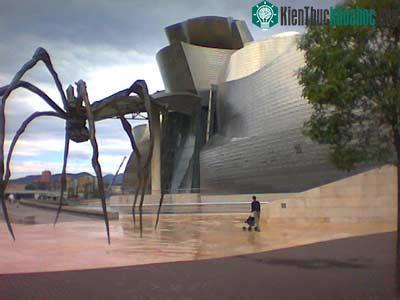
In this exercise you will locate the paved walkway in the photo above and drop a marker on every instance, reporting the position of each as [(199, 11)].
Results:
[(353, 268), (82, 244), (43, 215)]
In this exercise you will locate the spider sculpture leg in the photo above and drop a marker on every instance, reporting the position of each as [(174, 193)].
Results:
[(111, 184), (159, 206), (35, 90), (19, 132), (140, 88), (137, 190), (128, 129), (63, 177), (4, 93), (82, 93), (144, 188), (159, 209), (5, 211), (39, 55)]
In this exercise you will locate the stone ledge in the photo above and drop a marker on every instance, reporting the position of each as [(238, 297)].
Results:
[(112, 215)]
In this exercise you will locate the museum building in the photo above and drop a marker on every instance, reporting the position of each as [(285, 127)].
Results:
[(245, 134)]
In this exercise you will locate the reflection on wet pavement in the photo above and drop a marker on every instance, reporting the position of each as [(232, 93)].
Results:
[(19, 213), (82, 244)]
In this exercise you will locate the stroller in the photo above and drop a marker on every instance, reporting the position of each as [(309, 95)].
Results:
[(251, 221)]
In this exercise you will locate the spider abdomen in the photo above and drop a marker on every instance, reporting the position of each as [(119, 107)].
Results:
[(77, 131)]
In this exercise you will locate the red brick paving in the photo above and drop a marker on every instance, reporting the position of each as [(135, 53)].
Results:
[(354, 268)]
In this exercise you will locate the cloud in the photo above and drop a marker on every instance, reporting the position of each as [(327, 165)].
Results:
[(32, 159), (83, 62), (36, 153), (109, 44)]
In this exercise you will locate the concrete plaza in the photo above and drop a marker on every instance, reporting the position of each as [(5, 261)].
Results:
[(78, 243), (354, 268)]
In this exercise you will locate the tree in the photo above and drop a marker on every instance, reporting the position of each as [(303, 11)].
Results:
[(351, 77)]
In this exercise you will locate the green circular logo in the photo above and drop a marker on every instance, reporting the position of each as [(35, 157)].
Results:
[(264, 15)]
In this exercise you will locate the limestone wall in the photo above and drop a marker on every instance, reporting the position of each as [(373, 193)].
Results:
[(367, 197)]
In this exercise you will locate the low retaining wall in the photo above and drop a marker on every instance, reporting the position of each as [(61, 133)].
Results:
[(188, 203), (96, 211), (367, 197)]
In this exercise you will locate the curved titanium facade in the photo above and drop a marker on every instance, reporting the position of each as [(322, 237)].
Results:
[(196, 59), (246, 136), (259, 146), (142, 138), (192, 68), (258, 54), (211, 32)]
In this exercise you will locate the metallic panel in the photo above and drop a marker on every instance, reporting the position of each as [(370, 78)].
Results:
[(258, 54), (207, 65), (210, 31), (259, 147), (191, 68), (174, 69), (257, 114), (142, 138)]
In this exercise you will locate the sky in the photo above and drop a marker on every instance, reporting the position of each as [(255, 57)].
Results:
[(108, 44)]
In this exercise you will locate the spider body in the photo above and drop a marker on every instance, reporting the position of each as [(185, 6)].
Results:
[(76, 118)]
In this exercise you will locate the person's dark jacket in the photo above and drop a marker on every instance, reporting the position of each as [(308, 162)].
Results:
[(255, 206)]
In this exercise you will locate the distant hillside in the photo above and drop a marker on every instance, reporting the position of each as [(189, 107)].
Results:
[(77, 175), (25, 180), (56, 177), (109, 177)]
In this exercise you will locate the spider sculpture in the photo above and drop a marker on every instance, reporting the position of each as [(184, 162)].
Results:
[(77, 112)]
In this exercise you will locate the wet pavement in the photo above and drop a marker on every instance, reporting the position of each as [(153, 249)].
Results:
[(42, 215), (78, 242), (354, 268)]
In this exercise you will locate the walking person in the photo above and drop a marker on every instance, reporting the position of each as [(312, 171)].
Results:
[(256, 209)]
